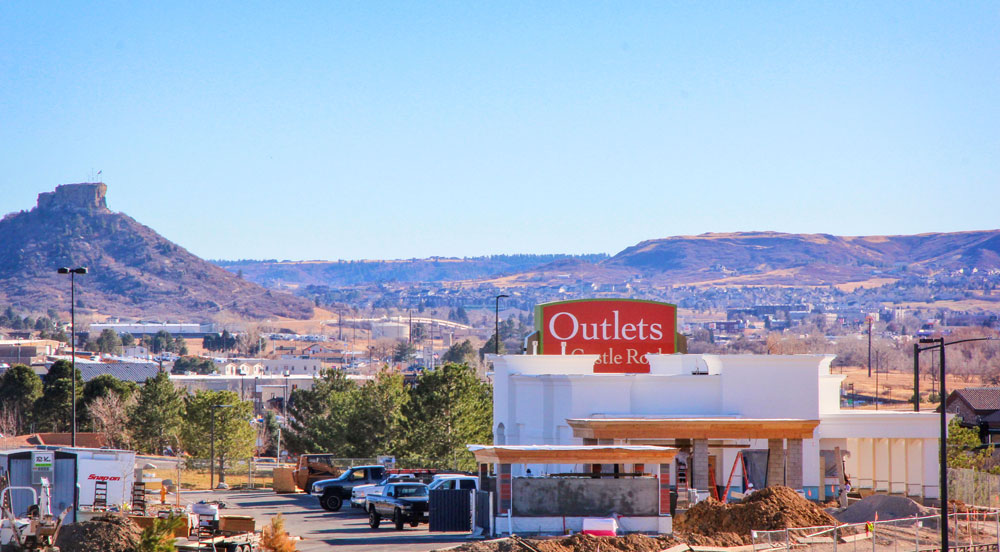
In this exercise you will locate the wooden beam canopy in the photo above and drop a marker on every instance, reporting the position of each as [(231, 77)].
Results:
[(573, 454), (692, 428)]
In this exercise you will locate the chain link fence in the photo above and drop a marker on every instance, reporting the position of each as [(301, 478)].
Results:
[(974, 488), (968, 532)]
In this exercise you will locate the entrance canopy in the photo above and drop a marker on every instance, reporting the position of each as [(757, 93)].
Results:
[(573, 454), (692, 428)]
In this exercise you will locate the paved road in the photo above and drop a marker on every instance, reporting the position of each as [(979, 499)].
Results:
[(345, 530)]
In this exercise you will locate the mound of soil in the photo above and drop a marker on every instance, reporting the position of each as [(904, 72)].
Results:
[(884, 506), (575, 543), (767, 509), (586, 543), (108, 533)]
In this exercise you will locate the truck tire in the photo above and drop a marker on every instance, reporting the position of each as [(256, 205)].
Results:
[(373, 518), (397, 519), (330, 501)]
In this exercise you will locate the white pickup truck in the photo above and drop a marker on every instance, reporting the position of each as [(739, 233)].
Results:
[(359, 494)]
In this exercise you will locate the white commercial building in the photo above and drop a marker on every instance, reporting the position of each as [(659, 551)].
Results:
[(782, 411), (151, 328)]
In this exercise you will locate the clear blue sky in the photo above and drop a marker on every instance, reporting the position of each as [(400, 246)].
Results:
[(392, 130)]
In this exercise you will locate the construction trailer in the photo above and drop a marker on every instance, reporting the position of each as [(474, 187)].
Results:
[(74, 473)]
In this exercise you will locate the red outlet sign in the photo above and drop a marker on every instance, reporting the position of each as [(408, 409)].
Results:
[(622, 331)]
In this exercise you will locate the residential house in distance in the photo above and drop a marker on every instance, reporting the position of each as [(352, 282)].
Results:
[(979, 409), (294, 366)]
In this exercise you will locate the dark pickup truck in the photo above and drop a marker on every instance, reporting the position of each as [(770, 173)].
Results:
[(402, 502), (333, 492)]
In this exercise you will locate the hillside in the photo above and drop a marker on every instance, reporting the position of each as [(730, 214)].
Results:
[(272, 273), (805, 259), (738, 259), (133, 270)]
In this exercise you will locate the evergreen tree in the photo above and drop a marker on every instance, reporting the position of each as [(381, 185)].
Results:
[(53, 411), (449, 408), (318, 418), (234, 436), (197, 365), (489, 347), (158, 415), (461, 353), (403, 351), (963, 443), (20, 387), (106, 384), (377, 416), (109, 342)]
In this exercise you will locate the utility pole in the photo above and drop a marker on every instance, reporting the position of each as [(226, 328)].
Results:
[(870, 347), (916, 377), (496, 321)]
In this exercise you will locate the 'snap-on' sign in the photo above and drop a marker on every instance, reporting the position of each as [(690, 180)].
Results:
[(622, 331)]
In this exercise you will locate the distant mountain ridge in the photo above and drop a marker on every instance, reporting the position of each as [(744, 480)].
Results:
[(737, 258), (133, 270), (273, 273), (809, 259)]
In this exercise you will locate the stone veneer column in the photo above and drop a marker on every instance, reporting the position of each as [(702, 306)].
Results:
[(699, 465), (793, 467), (775, 462)]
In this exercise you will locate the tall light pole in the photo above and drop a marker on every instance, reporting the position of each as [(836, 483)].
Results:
[(939, 343), (496, 320), (211, 461), (72, 340)]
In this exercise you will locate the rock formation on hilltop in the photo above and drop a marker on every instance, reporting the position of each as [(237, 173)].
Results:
[(133, 270)]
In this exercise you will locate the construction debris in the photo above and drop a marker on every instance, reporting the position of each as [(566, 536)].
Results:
[(107, 533)]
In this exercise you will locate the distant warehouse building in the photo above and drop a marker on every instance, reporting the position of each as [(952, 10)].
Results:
[(152, 328)]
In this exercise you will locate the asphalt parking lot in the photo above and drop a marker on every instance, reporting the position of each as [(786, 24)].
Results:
[(345, 530)]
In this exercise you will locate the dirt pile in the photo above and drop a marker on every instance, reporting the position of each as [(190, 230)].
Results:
[(767, 509), (575, 543), (884, 506), (108, 533)]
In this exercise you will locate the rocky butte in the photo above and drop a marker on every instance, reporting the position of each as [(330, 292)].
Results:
[(76, 198), (134, 271)]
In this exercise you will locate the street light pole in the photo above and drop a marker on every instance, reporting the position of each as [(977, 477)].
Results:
[(211, 460), (72, 340), (939, 343), (496, 320)]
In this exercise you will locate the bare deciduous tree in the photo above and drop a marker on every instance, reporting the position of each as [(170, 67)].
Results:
[(111, 415), (10, 420), (263, 439)]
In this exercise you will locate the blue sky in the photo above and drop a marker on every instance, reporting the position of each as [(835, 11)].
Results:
[(351, 130)]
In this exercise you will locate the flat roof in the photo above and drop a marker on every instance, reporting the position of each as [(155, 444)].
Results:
[(643, 427), (572, 454)]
